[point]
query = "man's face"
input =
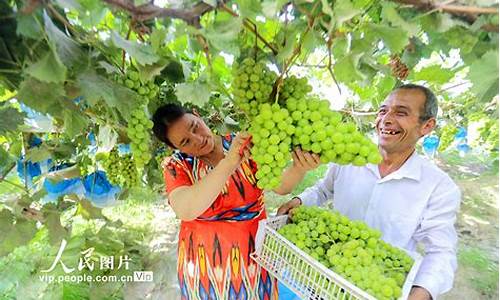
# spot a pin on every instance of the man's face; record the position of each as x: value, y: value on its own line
x: 191, y: 135
x: 398, y: 124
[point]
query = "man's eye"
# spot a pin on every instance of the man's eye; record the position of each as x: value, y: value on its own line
x: 401, y: 114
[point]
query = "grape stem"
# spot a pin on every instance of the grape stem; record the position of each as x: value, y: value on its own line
x: 329, y: 66
x: 250, y: 26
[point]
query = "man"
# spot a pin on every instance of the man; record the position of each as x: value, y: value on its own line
x: 406, y: 197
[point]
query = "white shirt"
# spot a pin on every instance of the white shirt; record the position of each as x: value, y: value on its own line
x: 415, y: 204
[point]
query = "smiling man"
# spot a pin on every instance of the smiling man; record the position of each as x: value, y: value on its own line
x: 409, y: 199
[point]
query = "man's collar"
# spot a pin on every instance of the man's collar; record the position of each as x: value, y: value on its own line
x: 412, y: 169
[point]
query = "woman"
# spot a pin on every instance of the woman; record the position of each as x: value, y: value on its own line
x: 212, y: 189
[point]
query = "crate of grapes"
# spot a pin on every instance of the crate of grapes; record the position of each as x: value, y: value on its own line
x: 322, y: 254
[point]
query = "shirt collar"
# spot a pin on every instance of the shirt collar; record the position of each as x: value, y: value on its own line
x: 412, y: 169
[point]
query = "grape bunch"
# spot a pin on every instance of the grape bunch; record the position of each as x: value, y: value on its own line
x: 120, y: 170
x: 147, y: 90
x: 294, y: 88
x: 321, y: 130
x: 446, y: 137
x: 138, y: 130
x: 271, y: 133
x: 252, y: 85
x: 351, y: 249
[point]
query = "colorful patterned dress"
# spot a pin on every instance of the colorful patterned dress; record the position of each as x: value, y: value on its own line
x: 214, y: 249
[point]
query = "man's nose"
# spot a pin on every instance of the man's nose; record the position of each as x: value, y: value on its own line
x: 388, y: 118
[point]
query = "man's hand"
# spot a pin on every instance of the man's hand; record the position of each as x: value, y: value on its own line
x: 304, y: 161
x: 419, y: 293
x: 288, y: 206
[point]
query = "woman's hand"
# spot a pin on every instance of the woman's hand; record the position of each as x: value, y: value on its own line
x: 233, y: 157
x: 304, y: 161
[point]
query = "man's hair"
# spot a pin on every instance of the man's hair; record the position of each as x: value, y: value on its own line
x: 164, y: 117
x: 430, y: 106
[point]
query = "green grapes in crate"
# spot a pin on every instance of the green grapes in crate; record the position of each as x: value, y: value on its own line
x: 350, y: 249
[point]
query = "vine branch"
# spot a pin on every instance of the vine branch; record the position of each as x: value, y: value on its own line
x: 250, y: 26
x: 149, y: 11
x: 469, y: 13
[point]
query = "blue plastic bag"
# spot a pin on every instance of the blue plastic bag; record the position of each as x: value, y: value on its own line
x: 99, y: 190
x: 285, y: 293
x: 430, y: 145
x: 63, y: 187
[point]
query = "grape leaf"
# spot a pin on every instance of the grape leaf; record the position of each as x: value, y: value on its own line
x: 223, y: 35
x: 95, y: 88
x: 437, y: 23
x: 10, y: 119
x: 148, y: 72
x: 28, y: 26
x: 6, y: 160
x: 344, y: 11
x: 68, y: 50
x: 48, y: 69
x: 394, y: 38
x: 157, y: 38
x: 483, y: 74
x: 14, y: 234
x: 250, y: 8
x: 390, y: 14
x: 74, y: 123
x: 433, y: 74
x: 89, y: 211
x: 42, y: 97
x: 195, y: 93
x: 92, y: 12
x: 175, y: 72
x: 39, y: 153
x: 346, y: 68
x: 110, y: 69
x: 270, y: 8
x: 52, y: 220
x: 142, y: 53
x: 69, y: 4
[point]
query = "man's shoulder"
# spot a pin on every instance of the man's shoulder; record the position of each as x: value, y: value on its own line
x: 432, y: 171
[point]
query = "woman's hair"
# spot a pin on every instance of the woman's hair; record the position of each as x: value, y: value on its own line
x: 165, y: 116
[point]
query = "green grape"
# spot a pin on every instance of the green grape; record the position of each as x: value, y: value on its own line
x: 252, y: 85
x: 148, y: 90
x: 351, y: 249
x: 271, y: 145
x: 138, y: 131
x: 120, y: 170
x: 447, y: 135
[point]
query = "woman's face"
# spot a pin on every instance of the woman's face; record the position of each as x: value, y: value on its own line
x: 191, y: 135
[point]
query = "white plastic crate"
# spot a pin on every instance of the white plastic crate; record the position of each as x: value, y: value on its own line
x: 306, y: 277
